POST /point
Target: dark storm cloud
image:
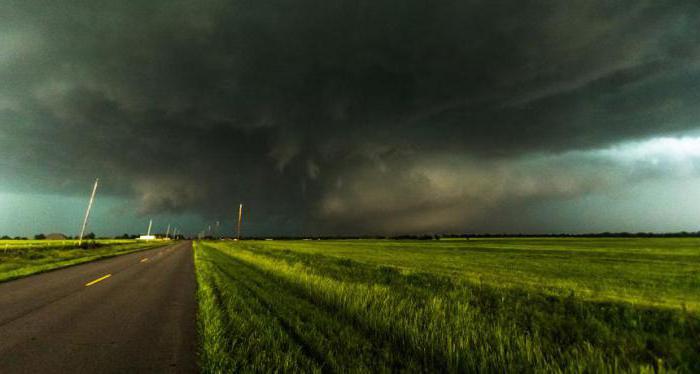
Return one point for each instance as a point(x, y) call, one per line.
point(194, 106)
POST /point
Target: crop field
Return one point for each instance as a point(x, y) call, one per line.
point(20, 258)
point(487, 305)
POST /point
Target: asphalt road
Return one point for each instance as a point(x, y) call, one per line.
point(140, 318)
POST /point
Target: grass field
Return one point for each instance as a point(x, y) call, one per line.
point(20, 258)
point(503, 305)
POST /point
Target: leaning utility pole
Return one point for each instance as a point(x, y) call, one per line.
point(240, 217)
point(87, 212)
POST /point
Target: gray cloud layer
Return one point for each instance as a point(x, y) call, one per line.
point(337, 116)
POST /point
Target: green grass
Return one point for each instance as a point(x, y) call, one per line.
point(20, 258)
point(505, 305)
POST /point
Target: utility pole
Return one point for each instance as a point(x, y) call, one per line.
point(150, 223)
point(240, 217)
point(87, 212)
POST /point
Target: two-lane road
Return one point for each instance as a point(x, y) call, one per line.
point(131, 313)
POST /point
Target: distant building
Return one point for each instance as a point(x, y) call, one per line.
point(56, 236)
point(147, 237)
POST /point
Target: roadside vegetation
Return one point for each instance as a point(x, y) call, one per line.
point(20, 258)
point(505, 305)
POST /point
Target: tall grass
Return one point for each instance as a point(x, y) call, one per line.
point(34, 257)
point(236, 333)
point(663, 272)
point(422, 321)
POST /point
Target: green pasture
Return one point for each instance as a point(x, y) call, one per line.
point(647, 271)
point(487, 305)
point(20, 258)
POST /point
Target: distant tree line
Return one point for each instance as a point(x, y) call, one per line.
point(5, 237)
point(682, 234)
point(126, 236)
point(90, 236)
point(42, 236)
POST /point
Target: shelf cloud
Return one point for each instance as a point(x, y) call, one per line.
point(349, 116)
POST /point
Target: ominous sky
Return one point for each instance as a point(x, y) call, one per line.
point(352, 116)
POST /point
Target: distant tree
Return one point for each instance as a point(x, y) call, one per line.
point(90, 236)
point(5, 237)
point(39, 237)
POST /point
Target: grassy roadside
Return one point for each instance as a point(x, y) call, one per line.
point(236, 332)
point(274, 309)
point(21, 261)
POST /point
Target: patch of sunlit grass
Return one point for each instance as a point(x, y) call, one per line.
point(31, 257)
point(405, 313)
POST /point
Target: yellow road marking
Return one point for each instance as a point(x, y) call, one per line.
point(97, 280)
point(144, 259)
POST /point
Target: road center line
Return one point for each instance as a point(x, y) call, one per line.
point(97, 280)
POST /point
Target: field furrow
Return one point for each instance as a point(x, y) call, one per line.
point(328, 339)
point(341, 314)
